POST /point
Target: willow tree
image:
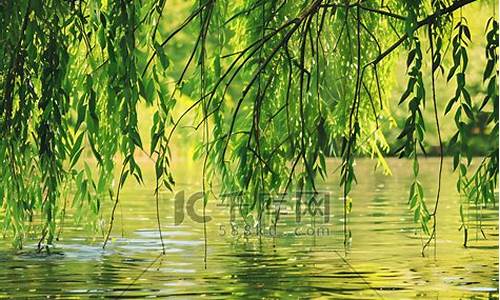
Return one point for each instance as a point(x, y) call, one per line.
point(276, 87)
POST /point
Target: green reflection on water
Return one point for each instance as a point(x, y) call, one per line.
point(305, 259)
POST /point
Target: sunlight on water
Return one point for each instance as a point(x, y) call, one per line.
point(301, 257)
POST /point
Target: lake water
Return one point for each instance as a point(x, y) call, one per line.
point(304, 257)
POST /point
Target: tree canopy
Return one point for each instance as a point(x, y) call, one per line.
point(276, 87)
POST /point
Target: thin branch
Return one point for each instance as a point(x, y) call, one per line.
point(441, 154)
point(117, 199)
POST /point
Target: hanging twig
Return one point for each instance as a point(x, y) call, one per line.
point(441, 154)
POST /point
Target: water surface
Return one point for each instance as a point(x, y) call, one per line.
point(305, 259)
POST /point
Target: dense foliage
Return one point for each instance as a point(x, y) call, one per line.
point(276, 87)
